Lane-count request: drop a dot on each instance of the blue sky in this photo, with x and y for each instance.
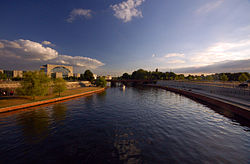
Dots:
(116, 36)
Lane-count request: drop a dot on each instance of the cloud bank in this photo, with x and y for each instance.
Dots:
(86, 13)
(126, 10)
(226, 66)
(26, 54)
(223, 51)
(224, 56)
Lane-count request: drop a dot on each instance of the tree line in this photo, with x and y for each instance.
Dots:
(141, 74)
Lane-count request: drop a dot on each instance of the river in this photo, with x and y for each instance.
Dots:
(135, 125)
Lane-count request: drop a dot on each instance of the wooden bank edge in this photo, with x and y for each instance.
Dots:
(33, 104)
(215, 102)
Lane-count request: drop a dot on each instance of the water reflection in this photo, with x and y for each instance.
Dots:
(34, 124)
(59, 112)
(102, 95)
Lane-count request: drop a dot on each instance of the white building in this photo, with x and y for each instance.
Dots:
(95, 76)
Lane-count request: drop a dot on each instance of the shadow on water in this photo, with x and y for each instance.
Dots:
(102, 95)
(14, 97)
(227, 113)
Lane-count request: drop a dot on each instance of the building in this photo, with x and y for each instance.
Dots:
(57, 75)
(108, 77)
(17, 73)
(13, 74)
(57, 70)
(95, 76)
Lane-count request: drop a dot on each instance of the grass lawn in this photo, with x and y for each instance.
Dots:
(7, 101)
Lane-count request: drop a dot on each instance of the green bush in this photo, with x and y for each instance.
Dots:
(243, 77)
(34, 84)
(59, 86)
(101, 82)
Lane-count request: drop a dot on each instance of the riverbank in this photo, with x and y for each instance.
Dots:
(211, 100)
(15, 103)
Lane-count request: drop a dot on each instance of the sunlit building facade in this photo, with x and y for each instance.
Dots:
(57, 71)
(13, 73)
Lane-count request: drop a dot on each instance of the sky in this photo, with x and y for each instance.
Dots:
(117, 36)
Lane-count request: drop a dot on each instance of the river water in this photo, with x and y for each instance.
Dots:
(135, 125)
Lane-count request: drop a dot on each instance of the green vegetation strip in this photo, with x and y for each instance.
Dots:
(14, 103)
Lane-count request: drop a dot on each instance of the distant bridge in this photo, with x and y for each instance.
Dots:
(131, 82)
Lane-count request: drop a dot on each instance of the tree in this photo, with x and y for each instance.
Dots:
(34, 84)
(190, 77)
(59, 86)
(88, 75)
(101, 82)
(172, 75)
(140, 74)
(198, 78)
(243, 77)
(209, 78)
(224, 77)
(181, 77)
(3, 76)
(126, 76)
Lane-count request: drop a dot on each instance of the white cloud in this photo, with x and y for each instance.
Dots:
(26, 53)
(176, 62)
(79, 13)
(27, 50)
(47, 43)
(174, 55)
(153, 55)
(78, 61)
(209, 6)
(126, 10)
(222, 51)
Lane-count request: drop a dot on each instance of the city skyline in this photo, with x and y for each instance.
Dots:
(113, 37)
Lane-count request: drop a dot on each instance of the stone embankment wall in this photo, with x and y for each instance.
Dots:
(9, 84)
(218, 89)
(78, 84)
(70, 85)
